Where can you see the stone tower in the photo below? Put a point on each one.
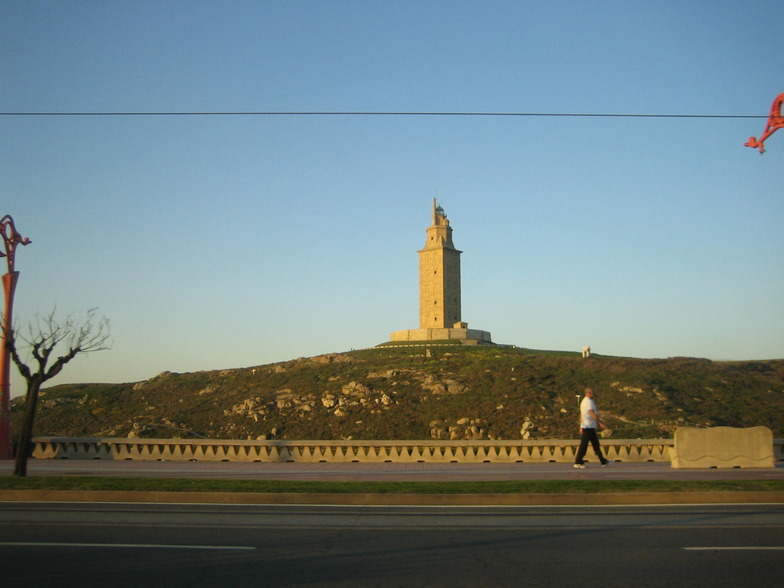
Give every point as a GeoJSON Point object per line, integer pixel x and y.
{"type": "Point", "coordinates": [439, 276]}
{"type": "Point", "coordinates": [439, 292]}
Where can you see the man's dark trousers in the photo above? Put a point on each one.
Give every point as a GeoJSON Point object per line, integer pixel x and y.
{"type": "Point", "coordinates": [589, 435]}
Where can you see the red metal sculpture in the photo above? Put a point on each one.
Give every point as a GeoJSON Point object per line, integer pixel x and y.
{"type": "Point", "coordinates": [775, 121]}
{"type": "Point", "coordinates": [11, 238]}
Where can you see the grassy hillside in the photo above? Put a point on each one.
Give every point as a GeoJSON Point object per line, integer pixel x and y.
{"type": "Point", "coordinates": [412, 393]}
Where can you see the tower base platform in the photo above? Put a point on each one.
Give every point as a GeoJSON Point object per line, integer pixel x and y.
{"type": "Point", "coordinates": [464, 336]}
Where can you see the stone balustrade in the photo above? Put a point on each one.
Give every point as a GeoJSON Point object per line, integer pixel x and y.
{"type": "Point", "coordinates": [529, 451]}
{"type": "Point", "coordinates": [545, 451]}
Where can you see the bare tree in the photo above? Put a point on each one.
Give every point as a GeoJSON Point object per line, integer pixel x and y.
{"type": "Point", "coordinates": [44, 336]}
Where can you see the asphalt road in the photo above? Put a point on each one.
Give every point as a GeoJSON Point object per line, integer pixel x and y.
{"type": "Point", "coordinates": [150, 545]}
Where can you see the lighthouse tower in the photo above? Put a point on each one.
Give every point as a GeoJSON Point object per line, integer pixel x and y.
{"type": "Point", "coordinates": [439, 291]}
{"type": "Point", "coordinates": [439, 275]}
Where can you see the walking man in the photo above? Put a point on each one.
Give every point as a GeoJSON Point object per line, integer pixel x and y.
{"type": "Point", "coordinates": [589, 419]}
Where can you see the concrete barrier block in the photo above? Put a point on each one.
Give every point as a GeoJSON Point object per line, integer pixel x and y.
{"type": "Point", "coordinates": [722, 447]}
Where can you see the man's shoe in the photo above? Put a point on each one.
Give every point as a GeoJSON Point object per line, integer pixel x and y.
{"type": "Point", "coordinates": [605, 464]}
{"type": "Point", "coordinates": [579, 466]}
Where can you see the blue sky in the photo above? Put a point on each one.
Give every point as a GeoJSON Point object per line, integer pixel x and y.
{"type": "Point", "coordinates": [229, 241]}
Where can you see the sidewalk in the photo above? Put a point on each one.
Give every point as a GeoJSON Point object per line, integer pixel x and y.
{"type": "Point", "coordinates": [385, 472]}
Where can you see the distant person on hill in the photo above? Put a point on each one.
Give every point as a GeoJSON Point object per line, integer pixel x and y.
{"type": "Point", "coordinates": [589, 418]}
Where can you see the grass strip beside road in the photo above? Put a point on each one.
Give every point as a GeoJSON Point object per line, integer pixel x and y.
{"type": "Point", "coordinates": [311, 487]}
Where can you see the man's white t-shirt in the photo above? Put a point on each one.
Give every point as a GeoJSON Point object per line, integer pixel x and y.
{"type": "Point", "coordinates": [586, 420]}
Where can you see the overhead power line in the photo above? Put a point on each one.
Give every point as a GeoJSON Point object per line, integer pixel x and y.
{"type": "Point", "coordinates": [384, 113]}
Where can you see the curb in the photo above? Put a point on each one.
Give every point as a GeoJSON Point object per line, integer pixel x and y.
{"type": "Point", "coordinates": [360, 499]}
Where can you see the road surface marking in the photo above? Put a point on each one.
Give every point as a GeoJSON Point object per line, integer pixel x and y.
{"type": "Point", "coordinates": [130, 545]}
{"type": "Point", "coordinates": [748, 548]}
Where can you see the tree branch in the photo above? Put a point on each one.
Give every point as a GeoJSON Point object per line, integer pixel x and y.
{"type": "Point", "coordinates": [10, 345]}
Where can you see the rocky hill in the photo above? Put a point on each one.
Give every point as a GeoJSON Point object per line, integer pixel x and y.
{"type": "Point", "coordinates": [422, 393]}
